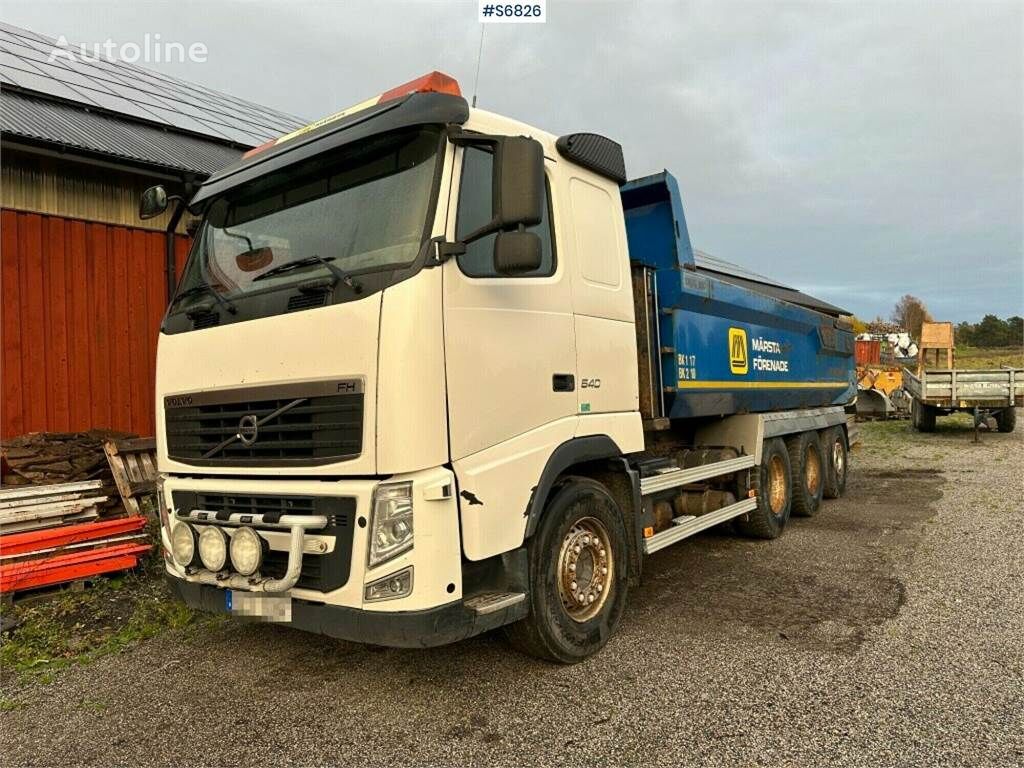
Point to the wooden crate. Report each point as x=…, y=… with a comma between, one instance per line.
x=936, y=339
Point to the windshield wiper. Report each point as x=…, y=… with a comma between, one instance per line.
x=310, y=261
x=207, y=288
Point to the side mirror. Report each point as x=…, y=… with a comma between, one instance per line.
x=516, y=253
x=153, y=202
x=518, y=182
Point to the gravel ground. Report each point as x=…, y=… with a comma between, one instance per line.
x=887, y=630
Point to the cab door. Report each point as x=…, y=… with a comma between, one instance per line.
x=510, y=360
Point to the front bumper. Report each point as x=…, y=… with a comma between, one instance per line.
x=403, y=629
x=435, y=557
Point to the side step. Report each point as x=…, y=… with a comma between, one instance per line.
x=677, y=477
x=489, y=602
x=688, y=525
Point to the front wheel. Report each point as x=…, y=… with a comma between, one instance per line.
x=578, y=575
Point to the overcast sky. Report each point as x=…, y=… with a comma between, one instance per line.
x=857, y=150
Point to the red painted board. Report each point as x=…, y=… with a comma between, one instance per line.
x=13, y=574
x=29, y=541
x=67, y=573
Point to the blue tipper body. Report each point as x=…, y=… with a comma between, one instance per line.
x=726, y=346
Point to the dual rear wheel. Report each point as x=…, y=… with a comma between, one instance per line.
x=795, y=474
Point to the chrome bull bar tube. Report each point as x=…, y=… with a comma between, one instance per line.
x=297, y=525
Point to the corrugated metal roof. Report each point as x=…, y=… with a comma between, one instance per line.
x=133, y=112
x=743, y=277
x=51, y=122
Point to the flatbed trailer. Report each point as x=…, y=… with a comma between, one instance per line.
x=997, y=392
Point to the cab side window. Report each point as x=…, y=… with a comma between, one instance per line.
x=475, y=210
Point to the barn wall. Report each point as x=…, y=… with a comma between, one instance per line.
x=64, y=187
x=81, y=308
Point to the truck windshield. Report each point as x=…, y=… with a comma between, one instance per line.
x=336, y=224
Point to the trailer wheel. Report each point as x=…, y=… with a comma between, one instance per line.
x=922, y=416
x=1006, y=419
x=837, y=459
x=809, y=472
x=773, y=483
x=578, y=575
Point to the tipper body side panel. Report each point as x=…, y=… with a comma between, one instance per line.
x=727, y=348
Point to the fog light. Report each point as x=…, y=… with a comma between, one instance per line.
x=396, y=585
x=183, y=544
x=246, y=551
x=213, y=548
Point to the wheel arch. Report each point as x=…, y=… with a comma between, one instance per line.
x=599, y=458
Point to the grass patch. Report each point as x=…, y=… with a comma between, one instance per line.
x=77, y=627
x=974, y=358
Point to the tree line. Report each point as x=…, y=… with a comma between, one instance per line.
x=992, y=332
x=910, y=313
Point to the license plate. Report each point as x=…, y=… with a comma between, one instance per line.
x=258, y=605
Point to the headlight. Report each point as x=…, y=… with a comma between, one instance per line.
x=183, y=544
x=390, y=522
x=246, y=551
x=213, y=548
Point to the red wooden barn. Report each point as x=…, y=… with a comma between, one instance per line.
x=84, y=282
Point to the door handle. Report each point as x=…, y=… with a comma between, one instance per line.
x=563, y=382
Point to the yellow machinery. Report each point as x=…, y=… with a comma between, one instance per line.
x=880, y=392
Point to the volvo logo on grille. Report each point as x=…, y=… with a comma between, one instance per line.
x=248, y=429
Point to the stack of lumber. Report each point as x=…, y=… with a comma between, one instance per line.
x=49, y=556
x=57, y=457
x=26, y=508
x=69, y=507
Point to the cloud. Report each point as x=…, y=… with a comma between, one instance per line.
x=861, y=150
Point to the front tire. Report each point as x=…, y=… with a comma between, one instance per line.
x=578, y=575
x=772, y=482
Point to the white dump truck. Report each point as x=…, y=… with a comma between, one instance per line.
x=430, y=371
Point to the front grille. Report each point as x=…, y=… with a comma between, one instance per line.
x=322, y=573
x=270, y=506
x=291, y=427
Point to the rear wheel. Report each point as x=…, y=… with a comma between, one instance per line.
x=773, y=485
x=808, y=467
x=837, y=460
x=922, y=416
x=1006, y=419
x=578, y=575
